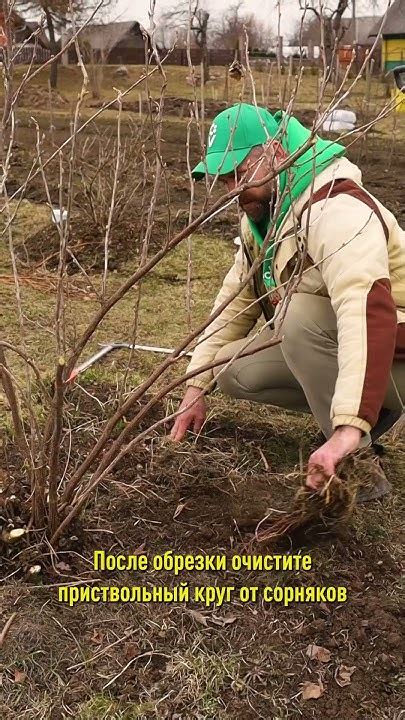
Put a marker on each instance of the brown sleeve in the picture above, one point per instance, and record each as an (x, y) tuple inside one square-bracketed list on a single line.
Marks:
[(348, 241), (381, 322)]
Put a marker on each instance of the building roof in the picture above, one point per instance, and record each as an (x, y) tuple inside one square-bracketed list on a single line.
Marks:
[(364, 24), (42, 37), (346, 34), (394, 23), (23, 29), (108, 35)]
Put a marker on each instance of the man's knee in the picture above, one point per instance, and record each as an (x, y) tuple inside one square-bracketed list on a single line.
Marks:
[(242, 377)]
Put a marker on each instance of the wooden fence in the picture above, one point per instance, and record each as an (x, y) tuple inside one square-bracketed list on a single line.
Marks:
[(25, 54), (216, 56), (136, 56)]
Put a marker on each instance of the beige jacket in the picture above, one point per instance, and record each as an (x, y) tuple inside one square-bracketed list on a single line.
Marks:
[(355, 256)]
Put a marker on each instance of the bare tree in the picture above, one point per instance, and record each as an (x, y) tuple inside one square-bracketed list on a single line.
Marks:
[(56, 14), (234, 24), (327, 21), (195, 18)]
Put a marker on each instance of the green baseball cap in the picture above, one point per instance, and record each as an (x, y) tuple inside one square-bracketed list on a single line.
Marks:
[(232, 135)]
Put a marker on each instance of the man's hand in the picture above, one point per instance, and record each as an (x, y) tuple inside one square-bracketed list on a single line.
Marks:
[(322, 463), (193, 417)]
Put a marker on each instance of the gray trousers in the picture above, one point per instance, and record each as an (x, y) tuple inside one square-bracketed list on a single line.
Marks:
[(301, 372)]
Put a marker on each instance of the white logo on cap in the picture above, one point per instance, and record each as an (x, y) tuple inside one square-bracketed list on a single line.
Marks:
[(212, 134)]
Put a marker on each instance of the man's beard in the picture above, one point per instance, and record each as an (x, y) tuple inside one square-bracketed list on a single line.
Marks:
[(257, 211), (260, 211)]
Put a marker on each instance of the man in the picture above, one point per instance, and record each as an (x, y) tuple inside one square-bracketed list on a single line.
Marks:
[(342, 356)]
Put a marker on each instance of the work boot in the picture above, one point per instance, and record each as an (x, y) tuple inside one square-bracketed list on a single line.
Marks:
[(376, 484), (381, 486), (386, 420)]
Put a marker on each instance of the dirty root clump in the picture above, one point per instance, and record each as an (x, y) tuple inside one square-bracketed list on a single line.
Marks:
[(329, 507)]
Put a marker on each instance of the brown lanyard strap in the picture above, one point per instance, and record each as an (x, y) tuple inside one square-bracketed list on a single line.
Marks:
[(348, 187), (264, 308)]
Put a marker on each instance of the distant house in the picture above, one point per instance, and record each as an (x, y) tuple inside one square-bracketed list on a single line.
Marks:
[(114, 43), (393, 35), (350, 32), (358, 33), (22, 31), (27, 46)]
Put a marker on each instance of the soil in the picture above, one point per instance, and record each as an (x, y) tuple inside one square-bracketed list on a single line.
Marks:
[(382, 176), (35, 97), (186, 662), (85, 246), (192, 499), (86, 243), (179, 107)]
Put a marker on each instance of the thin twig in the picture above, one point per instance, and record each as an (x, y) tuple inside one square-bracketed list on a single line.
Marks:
[(6, 629), (54, 453)]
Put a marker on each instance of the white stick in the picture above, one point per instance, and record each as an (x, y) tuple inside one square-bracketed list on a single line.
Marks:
[(105, 349), (219, 210), (150, 348)]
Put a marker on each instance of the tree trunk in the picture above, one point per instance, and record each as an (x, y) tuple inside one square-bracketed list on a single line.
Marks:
[(201, 38), (329, 43), (205, 61), (54, 47), (336, 26), (54, 73), (7, 67)]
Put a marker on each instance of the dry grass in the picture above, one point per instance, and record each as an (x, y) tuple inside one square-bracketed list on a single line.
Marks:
[(238, 661), (241, 661), (35, 101)]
